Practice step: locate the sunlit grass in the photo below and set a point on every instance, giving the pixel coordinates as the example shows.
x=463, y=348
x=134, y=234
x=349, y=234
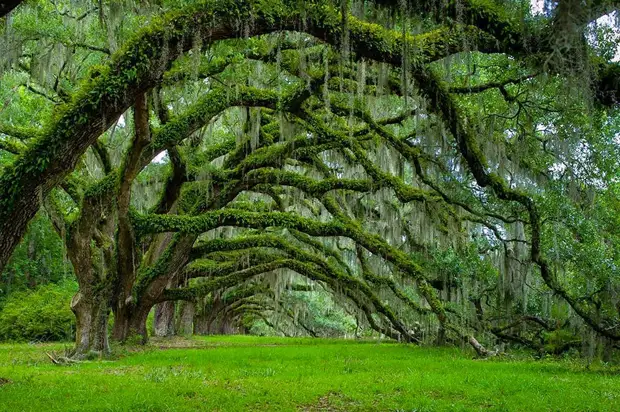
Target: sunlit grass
x=248, y=373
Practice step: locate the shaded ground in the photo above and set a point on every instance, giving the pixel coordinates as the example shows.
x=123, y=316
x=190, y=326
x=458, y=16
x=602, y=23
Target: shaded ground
x=249, y=373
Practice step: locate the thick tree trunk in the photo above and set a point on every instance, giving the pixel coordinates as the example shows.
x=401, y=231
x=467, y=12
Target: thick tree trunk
x=201, y=324
x=608, y=350
x=130, y=322
x=92, y=314
x=441, y=336
x=212, y=327
x=226, y=326
x=186, y=319
x=164, y=319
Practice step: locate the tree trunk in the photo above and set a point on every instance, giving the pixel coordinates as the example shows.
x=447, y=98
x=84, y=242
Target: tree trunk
x=201, y=324
x=186, y=319
x=130, y=321
x=441, y=336
x=164, y=319
x=226, y=326
x=608, y=350
x=91, y=314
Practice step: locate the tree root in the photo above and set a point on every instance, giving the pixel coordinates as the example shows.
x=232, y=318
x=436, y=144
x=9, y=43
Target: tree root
x=61, y=360
x=481, y=350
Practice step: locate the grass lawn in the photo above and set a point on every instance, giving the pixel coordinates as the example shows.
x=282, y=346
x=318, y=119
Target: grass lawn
x=251, y=373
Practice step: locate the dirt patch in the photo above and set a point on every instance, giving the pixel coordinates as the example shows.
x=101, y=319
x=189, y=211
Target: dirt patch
x=178, y=342
x=175, y=342
x=4, y=381
x=331, y=402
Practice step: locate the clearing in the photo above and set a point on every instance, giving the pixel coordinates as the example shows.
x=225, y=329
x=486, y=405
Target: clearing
x=236, y=373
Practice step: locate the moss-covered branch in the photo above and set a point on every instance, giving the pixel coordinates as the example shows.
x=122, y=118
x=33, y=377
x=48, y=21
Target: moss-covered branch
x=12, y=146
x=19, y=132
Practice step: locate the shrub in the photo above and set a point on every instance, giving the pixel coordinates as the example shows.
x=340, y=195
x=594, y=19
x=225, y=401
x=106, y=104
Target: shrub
x=43, y=314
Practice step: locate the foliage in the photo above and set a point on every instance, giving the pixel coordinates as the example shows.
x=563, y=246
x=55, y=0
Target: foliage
x=316, y=310
x=39, y=259
x=39, y=315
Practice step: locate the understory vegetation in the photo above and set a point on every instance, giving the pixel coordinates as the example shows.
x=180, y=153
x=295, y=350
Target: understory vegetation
x=43, y=314
x=237, y=373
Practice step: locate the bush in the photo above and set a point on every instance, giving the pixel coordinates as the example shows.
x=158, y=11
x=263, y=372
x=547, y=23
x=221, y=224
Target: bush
x=43, y=314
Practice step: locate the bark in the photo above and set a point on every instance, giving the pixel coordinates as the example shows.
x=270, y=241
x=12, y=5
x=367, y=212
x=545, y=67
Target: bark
x=125, y=240
x=201, y=324
x=164, y=319
x=186, y=319
x=480, y=350
x=91, y=314
x=608, y=350
x=226, y=326
x=130, y=322
x=91, y=305
x=205, y=321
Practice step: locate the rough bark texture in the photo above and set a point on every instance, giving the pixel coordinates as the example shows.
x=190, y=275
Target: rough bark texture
x=91, y=314
x=130, y=323
x=186, y=319
x=201, y=324
x=480, y=350
x=91, y=305
x=164, y=319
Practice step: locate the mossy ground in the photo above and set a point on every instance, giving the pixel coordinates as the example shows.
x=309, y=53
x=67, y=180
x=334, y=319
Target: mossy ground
x=250, y=373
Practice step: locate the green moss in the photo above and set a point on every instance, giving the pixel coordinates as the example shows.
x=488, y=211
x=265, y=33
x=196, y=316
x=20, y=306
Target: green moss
x=12, y=146
x=308, y=185
x=144, y=224
x=19, y=132
x=105, y=188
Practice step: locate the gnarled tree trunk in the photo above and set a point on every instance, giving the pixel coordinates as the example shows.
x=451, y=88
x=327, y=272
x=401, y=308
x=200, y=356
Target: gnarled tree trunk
x=164, y=319
x=91, y=305
x=130, y=321
x=186, y=319
x=201, y=324
x=91, y=314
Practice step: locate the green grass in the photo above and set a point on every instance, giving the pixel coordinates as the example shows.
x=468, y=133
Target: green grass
x=250, y=373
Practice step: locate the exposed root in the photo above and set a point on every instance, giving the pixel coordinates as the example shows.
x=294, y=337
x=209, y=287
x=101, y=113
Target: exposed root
x=61, y=359
x=481, y=350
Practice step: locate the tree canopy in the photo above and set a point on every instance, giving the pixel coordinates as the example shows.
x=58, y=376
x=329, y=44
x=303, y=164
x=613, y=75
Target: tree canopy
x=447, y=170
